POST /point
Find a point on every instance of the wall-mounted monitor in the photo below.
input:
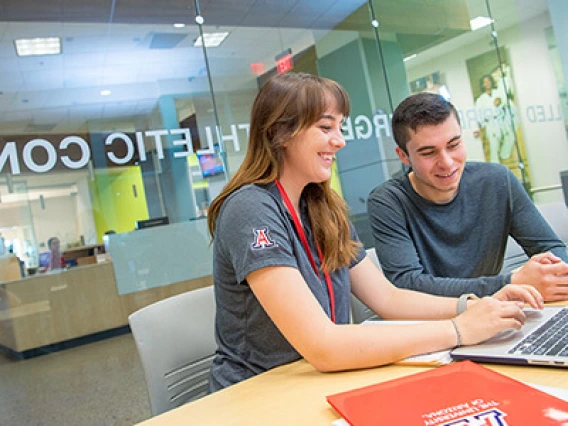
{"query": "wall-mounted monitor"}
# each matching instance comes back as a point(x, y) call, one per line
point(210, 164)
point(149, 223)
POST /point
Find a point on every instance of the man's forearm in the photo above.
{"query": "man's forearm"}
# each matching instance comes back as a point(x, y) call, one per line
point(451, 287)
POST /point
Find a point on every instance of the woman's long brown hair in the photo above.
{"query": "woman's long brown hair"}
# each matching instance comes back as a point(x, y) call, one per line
point(286, 105)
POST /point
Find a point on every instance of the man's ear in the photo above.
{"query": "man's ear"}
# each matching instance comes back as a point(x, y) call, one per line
point(403, 156)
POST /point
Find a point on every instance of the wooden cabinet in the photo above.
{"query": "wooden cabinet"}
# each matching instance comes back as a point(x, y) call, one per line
point(9, 268)
point(83, 255)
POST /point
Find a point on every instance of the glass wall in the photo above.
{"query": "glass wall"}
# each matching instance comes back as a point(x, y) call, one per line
point(116, 142)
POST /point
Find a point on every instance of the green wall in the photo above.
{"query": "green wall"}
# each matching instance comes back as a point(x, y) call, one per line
point(118, 199)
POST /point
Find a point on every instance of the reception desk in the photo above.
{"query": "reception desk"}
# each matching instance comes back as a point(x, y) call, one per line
point(58, 306)
point(9, 268)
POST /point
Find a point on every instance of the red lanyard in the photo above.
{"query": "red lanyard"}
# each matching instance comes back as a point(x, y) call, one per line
point(304, 240)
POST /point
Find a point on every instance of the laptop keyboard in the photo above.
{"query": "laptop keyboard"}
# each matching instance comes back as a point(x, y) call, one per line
point(550, 339)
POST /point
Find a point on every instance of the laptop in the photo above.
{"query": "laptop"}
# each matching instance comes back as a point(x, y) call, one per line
point(543, 340)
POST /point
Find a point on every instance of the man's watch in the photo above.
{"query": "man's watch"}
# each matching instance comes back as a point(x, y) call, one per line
point(462, 302)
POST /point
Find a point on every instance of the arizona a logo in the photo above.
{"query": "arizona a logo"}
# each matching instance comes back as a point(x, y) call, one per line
point(262, 239)
point(492, 417)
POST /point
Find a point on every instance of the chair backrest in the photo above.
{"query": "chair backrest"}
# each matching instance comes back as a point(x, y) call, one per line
point(556, 214)
point(176, 344)
point(359, 311)
point(514, 258)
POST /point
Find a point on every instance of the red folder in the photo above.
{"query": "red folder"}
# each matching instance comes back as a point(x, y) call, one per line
point(459, 394)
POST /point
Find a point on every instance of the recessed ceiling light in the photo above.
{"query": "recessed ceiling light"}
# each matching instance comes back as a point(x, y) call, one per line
point(211, 39)
point(479, 22)
point(179, 25)
point(105, 92)
point(38, 46)
point(408, 58)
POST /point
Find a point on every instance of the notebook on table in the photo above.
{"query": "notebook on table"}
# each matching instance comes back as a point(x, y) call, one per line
point(462, 393)
point(543, 340)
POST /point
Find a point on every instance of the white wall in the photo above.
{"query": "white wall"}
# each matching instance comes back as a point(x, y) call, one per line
point(57, 219)
point(85, 222)
point(536, 93)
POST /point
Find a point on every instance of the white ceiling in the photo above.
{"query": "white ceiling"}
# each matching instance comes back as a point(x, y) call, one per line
point(106, 45)
point(65, 89)
point(60, 93)
point(506, 13)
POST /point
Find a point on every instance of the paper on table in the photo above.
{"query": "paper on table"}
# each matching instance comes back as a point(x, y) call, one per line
point(557, 392)
point(433, 359)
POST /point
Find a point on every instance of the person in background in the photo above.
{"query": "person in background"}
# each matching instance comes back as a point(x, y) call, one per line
point(442, 228)
point(286, 258)
point(56, 260)
point(496, 122)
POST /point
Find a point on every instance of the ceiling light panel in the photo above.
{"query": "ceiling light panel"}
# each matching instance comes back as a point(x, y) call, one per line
point(479, 22)
point(38, 46)
point(211, 39)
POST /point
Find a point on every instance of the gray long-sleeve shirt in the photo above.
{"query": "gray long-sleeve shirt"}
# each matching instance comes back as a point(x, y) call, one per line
point(456, 248)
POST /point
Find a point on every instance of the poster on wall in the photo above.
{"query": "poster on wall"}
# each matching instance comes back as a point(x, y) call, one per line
point(432, 83)
point(494, 95)
point(558, 73)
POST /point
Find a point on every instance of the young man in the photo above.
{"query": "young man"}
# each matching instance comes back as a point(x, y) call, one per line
point(442, 228)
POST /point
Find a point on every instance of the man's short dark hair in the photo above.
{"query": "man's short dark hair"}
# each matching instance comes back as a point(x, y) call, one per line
point(422, 109)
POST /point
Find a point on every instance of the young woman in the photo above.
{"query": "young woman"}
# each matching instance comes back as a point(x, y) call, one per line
point(286, 257)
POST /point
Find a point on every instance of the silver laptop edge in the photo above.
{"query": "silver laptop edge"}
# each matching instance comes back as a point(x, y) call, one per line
point(495, 350)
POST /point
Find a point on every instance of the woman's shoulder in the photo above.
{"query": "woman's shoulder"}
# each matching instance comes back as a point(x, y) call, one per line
point(250, 207)
point(251, 193)
point(250, 199)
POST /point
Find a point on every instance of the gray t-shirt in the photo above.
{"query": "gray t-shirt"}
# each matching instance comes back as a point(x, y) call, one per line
point(254, 230)
point(456, 248)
